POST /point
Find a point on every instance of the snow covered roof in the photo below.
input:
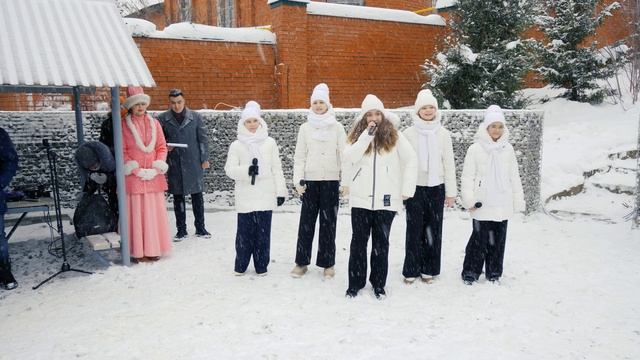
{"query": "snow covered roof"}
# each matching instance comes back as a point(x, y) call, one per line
point(372, 13)
point(190, 31)
point(68, 43)
point(444, 4)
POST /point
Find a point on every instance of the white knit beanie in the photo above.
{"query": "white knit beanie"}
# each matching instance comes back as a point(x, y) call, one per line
point(424, 98)
point(320, 92)
point(251, 110)
point(493, 114)
point(370, 102)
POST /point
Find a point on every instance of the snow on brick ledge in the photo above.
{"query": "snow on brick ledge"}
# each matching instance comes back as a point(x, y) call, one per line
point(140, 27)
point(372, 13)
point(298, 1)
point(189, 31)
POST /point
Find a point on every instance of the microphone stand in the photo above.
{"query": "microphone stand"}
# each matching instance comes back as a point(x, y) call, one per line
point(51, 156)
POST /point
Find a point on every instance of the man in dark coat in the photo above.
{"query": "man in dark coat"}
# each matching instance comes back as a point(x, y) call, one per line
point(8, 168)
point(186, 164)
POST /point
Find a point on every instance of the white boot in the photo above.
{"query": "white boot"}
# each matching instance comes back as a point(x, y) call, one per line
point(298, 271)
point(409, 280)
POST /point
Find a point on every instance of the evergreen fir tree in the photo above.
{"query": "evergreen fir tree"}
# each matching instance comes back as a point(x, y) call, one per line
point(568, 60)
point(485, 61)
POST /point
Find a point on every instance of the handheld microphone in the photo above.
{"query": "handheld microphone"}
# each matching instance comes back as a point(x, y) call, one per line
point(477, 205)
point(254, 171)
point(302, 182)
point(372, 130)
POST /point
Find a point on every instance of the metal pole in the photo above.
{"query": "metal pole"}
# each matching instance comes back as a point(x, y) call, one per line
point(122, 192)
point(76, 105)
point(637, 210)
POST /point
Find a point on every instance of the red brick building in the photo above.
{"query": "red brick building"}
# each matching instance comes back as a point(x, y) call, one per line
point(355, 50)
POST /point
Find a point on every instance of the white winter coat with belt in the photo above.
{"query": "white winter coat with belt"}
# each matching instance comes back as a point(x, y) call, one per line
point(473, 182)
point(269, 184)
point(376, 175)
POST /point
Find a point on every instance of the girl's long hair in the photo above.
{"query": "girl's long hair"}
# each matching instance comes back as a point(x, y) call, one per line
point(385, 138)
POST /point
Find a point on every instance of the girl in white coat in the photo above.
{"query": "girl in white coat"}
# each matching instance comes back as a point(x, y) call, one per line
point(436, 186)
point(383, 174)
point(254, 163)
point(316, 176)
point(492, 191)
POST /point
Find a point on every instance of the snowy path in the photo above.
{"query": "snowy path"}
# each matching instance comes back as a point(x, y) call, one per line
point(570, 291)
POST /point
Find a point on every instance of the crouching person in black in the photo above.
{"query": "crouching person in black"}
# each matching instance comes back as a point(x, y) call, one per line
point(97, 167)
point(8, 168)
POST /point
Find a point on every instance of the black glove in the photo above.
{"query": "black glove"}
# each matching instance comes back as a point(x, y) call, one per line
point(280, 200)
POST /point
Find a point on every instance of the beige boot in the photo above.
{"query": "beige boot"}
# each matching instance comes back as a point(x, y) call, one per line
point(427, 279)
point(298, 271)
point(329, 272)
point(409, 280)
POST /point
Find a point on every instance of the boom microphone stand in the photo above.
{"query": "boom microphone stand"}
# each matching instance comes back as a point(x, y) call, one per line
point(51, 156)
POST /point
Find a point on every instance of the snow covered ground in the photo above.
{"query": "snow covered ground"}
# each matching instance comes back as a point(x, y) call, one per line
point(579, 137)
point(570, 288)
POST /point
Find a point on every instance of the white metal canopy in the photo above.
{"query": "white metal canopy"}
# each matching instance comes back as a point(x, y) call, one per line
point(68, 43)
point(57, 45)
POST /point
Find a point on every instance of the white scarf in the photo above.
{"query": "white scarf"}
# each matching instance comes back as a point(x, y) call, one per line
point(253, 142)
point(429, 154)
point(136, 136)
point(320, 124)
point(495, 181)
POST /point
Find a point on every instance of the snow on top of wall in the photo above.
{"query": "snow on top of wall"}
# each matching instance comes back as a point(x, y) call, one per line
point(189, 31)
point(443, 4)
point(372, 13)
point(140, 27)
point(300, 1)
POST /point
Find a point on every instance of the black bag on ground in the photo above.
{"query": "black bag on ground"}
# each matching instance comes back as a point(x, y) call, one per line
point(93, 216)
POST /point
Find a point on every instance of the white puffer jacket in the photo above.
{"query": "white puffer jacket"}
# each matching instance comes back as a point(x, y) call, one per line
point(376, 176)
point(317, 160)
point(448, 165)
point(473, 176)
point(269, 184)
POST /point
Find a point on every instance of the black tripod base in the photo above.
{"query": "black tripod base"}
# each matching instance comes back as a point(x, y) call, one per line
point(65, 268)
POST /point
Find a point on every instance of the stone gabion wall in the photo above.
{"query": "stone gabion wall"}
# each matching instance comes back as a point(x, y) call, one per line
point(27, 130)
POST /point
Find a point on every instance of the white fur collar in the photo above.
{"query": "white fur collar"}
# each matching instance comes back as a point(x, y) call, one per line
point(136, 136)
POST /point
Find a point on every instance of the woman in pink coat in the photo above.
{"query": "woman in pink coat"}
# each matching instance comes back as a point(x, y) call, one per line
point(145, 155)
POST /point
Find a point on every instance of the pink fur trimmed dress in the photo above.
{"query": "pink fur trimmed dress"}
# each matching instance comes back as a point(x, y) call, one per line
point(145, 155)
